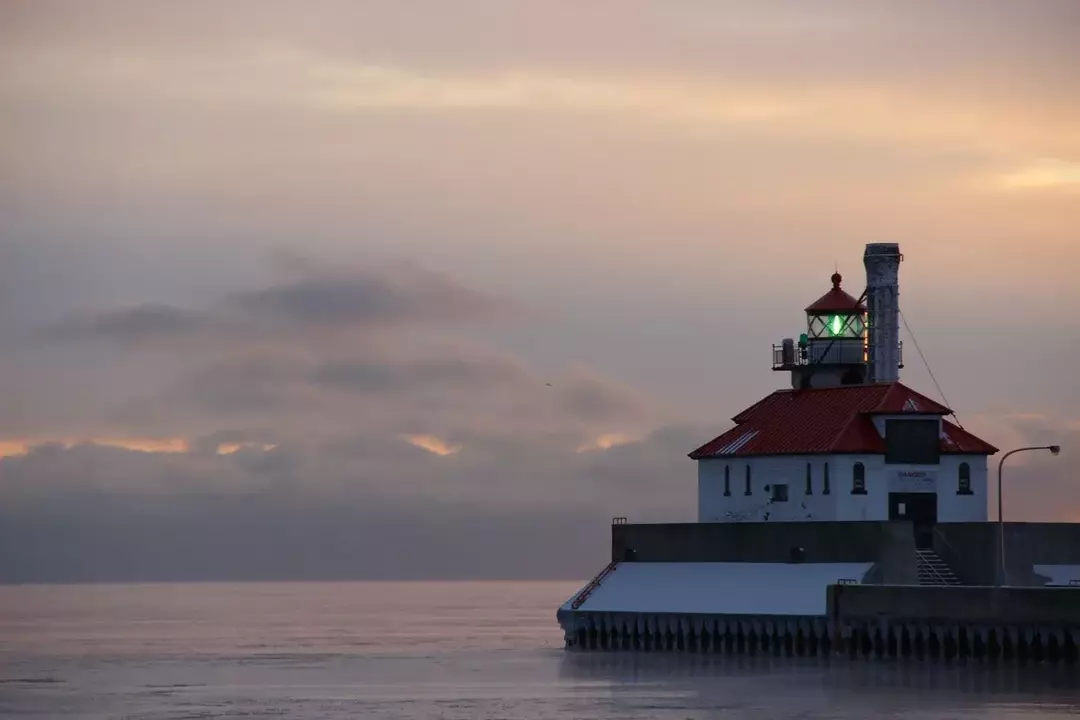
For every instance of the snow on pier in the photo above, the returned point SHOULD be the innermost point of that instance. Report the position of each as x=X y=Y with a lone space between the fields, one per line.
x=1060 y=574
x=718 y=588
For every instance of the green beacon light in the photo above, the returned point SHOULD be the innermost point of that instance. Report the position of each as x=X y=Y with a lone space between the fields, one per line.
x=836 y=324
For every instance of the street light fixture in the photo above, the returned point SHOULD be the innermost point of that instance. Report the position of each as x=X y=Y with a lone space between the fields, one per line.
x=1054 y=450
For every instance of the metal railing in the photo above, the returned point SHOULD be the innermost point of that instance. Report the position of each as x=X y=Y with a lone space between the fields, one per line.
x=941 y=535
x=593 y=584
x=930 y=569
x=845 y=351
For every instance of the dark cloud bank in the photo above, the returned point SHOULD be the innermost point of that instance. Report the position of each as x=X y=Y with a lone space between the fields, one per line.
x=360 y=509
x=320 y=379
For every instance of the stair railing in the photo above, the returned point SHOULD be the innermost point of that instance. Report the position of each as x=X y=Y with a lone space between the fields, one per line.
x=931 y=569
x=938 y=533
x=952 y=551
x=593 y=584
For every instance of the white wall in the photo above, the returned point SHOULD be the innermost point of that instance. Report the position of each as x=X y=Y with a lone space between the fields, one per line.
x=714 y=506
x=881 y=480
x=963 y=508
x=840 y=504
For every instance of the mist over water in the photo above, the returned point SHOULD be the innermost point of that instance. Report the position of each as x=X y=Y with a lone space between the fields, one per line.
x=455 y=650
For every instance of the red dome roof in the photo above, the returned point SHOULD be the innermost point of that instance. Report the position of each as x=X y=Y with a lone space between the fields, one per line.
x=836 y=300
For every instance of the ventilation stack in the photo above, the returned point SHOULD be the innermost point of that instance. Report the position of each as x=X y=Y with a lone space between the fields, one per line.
x=882 y=261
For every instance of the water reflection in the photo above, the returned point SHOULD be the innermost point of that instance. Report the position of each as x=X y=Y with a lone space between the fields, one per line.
x=783 y=685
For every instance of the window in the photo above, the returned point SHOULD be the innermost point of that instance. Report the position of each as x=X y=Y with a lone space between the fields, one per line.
x=912 y=442
x=779 y=493
x=963 y=479
x=748 y=491
x=809 y=479
x=727 y=481
x=825 y=480
x=858 y=479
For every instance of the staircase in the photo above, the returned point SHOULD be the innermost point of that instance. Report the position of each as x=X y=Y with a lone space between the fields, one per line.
x=933 y=570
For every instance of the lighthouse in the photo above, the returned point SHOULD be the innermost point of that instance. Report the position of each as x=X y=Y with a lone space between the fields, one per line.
x=848 y=441
x=824 y=509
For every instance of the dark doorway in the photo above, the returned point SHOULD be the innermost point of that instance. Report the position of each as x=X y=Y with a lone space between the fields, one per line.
x=920 y=509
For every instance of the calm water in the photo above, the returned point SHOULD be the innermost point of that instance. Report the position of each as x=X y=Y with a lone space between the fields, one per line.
x=418 y=650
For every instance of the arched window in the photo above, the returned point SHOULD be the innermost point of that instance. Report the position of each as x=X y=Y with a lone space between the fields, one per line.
x=963 y=479
x=858 y=479
x=809 y=479
x=825 y=480
x=727 y=481
x=748 y=489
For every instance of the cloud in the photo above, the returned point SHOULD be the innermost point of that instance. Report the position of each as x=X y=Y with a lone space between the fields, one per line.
x=406 y=294
x=320 y=297
x=88 y=513
x=21 y=447
x=1048 y=174
x=462 y=373
x=595 y=399
x=367 y=87
x=604 y=441
x=334 y=374
x=329 y=354
x=129 y=325
x=432 y=444
x=745 y=91
x=830 y=106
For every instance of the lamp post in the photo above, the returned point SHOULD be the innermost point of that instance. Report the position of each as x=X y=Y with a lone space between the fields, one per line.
x=1054 y=450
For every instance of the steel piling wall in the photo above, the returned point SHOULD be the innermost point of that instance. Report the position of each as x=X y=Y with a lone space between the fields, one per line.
x=808 y=636
x=863 y=621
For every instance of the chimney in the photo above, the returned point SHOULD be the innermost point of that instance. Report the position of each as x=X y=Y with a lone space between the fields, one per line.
x=882 y=261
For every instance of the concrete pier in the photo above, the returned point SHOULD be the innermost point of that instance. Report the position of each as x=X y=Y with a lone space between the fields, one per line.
x=1011 y=624
x=830 y=588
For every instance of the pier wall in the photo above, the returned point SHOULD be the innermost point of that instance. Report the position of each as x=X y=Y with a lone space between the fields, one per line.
x=890 y=545
x=971 y=550
x=970 y=606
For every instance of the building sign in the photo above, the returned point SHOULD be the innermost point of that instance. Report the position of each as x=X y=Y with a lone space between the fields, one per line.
x=913 y=481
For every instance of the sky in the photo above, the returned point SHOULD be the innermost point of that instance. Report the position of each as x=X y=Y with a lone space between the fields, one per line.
x=435 y=289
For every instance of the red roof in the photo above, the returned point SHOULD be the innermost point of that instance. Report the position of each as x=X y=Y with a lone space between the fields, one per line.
x=831 y=420
x=836 y=300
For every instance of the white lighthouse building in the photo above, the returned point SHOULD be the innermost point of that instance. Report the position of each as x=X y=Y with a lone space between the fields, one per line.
x=848 y=441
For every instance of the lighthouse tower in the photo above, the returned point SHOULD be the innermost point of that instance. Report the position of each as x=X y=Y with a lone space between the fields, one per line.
x=833 y=350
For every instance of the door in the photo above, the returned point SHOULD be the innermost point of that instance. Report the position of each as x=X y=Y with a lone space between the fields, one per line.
x=920 y=509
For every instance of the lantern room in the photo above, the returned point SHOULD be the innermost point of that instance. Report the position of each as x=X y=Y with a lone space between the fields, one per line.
x=833 y=349
x=836 y=314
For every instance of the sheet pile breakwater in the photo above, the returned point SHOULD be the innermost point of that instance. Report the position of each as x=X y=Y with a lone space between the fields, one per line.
x=863 y=621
